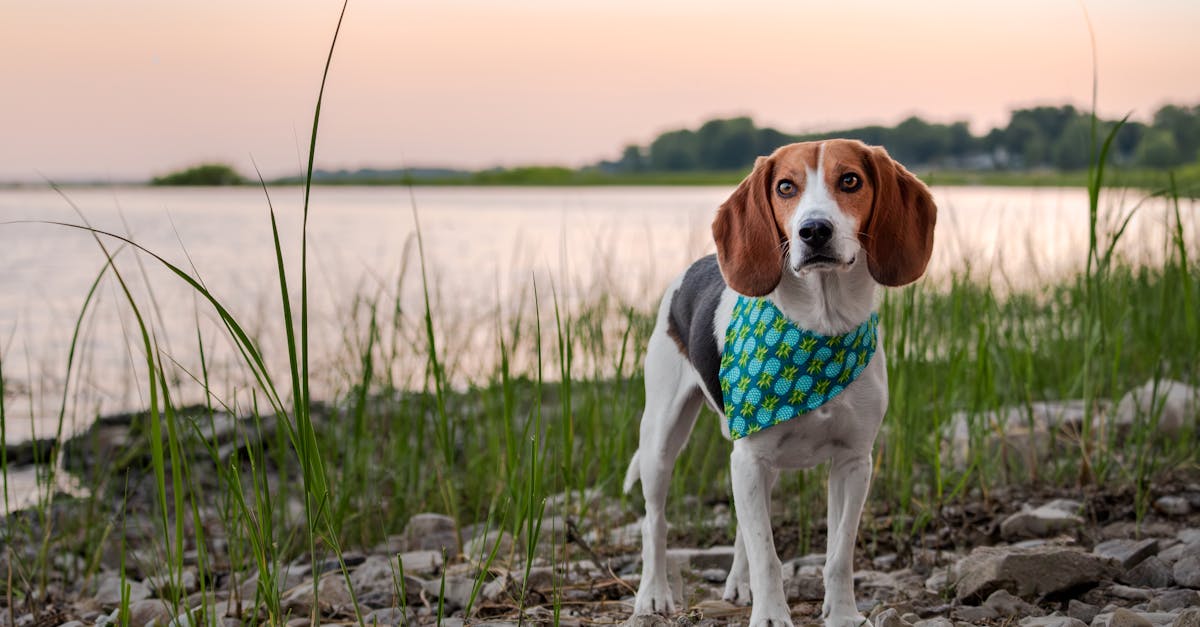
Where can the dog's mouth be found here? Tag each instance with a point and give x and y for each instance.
(817, 261)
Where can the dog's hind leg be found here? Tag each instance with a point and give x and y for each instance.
(673, 400)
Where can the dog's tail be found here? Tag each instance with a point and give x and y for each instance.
(633, 473)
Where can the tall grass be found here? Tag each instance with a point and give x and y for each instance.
(494, 448)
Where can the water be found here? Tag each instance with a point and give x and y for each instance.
(486, 248)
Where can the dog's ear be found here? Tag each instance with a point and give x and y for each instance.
(749, 241)
(898, 234)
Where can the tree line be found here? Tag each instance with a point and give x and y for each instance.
(1044, 137)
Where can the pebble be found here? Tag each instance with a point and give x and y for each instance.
(1188, 618)
(1173, 505)
(1150, 573)
(148, 611)
(1049, 519)
(1051, 621)
(1187, 569)
(1029, 573)
(890, 618)
(1121, 618)
(390, 617)
(433, 532)
(1127, 553)
(1130, 593)
(1005, 604)
(108, 593)
(1174, 600)
(714, 575)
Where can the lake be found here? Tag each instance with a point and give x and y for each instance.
(485, 250)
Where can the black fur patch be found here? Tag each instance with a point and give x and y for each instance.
(690, 321)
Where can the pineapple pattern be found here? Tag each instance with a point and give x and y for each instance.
(773, 371)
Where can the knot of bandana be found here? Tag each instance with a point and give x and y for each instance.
(772, 370)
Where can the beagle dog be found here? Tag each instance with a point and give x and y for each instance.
(802, 245)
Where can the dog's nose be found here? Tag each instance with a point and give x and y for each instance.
(816, 232)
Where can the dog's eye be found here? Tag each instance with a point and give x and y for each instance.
(786, 188)
(850, 182)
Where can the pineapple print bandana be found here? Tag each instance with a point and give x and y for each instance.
(773, 371)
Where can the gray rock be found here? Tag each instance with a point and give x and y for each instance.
(1047, 520)
(1028, 573)
(390, 617)
(1188, 536)
(457, 591)
(1052, 621)
(1005, 604)
(714, 575)
(332, 594)
(1150, 573)
(1188, 618)
(71, 623)
(975, 614)
(1172, 554)
(936, 621)
(938, 581)
(1127, 553)
(806, 584)
(149, 611)
(699, 559)
(1187, 569)
(431, 532)
(483, 544)
(647, 620)
(1085, 612)
(1129, 593)
(376, 581)
(108, 593)
(1121, 618)
(421, 562)
(890, 618)
(1173, 401)
(1173, 505)
(1172, 600)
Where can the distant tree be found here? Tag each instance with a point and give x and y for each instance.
(1183, 123)
(674, 151)
(632, 159)
(1073, 148)
(1158, 149)
(769, 139)
(727, 144)
(203, 174)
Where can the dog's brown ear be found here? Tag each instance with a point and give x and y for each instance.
(749, 242)
(898, 234)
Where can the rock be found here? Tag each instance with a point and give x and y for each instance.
(1188, 618)
(698, 559)
(421, 562)
(1150, 573)
(647, 620)
(486, 541)
(1172, 600)
(1131, 594)
(806, 584)
(1188, 536)
(938, 581)
(1187, 569)
(1175, 404)
(714, 575)
(431, 532)
(1085, 612)
(108, 593)
(376, 581)
(1051, 621)
(975, 614)
(1046, 520)
(1127, 553)
(1172, 554)
(332, 595)
(1028, 573)
(149, 611)
(1173, 505)
(390, 617)
(1005, 604)
(1121, 618)
(890, 618)
(71, 623)
(457, 591)
(937, 621)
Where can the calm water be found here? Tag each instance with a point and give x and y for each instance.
(486, 247)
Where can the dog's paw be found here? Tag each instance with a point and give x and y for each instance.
(773, 616)
(737, 590)
(848, 620)
(654, 599)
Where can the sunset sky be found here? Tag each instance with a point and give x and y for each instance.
(122, 90)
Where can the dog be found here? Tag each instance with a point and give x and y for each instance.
(803, 243)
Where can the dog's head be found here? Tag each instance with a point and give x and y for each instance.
(817, 206)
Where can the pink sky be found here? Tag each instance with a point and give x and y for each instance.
(125, 89)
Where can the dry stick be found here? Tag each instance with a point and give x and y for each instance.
(573, 535)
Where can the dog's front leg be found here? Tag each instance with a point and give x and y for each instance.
(752, 480)
(849, 478)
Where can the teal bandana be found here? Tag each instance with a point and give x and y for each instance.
(773, 371)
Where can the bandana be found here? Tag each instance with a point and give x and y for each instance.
(772, 370)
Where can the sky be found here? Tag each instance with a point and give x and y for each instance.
(126, 89)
